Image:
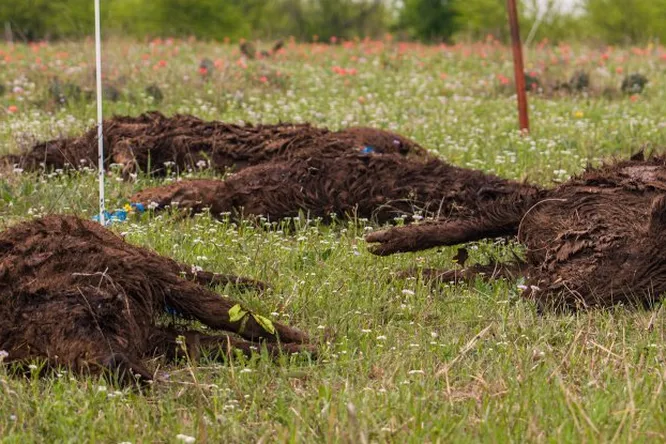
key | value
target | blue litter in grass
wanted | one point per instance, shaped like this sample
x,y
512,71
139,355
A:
x,y
120,215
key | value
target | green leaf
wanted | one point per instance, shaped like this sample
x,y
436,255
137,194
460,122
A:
x,y
265,323
236,313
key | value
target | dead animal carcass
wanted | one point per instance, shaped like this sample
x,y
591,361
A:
x,y
155,144
597,240
379,187
76,295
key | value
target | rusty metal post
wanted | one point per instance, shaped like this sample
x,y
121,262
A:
x,y
519,69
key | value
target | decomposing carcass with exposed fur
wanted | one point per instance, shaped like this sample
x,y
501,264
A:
x,y
74,294
154,144
595,241
375,186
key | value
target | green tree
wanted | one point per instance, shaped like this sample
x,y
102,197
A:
x,y
212,19
431,20
344,18
37,19
478,18
626,21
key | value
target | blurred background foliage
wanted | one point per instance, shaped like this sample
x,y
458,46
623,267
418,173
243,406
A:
x,y
608,21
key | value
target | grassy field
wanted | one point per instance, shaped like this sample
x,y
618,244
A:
x,y
402,361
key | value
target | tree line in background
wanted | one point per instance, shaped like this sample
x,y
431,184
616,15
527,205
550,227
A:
x,y
610,21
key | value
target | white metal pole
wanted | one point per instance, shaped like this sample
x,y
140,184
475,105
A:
x,y
100,138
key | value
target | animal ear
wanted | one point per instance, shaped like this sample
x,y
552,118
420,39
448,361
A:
x,y
639,156
658,214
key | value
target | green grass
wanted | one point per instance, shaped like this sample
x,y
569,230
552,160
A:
x,y
399,361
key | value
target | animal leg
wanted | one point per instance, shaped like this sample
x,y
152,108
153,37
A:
x,y
211,344
494,220
209,308
210,279
487,272
425,236
193,195
170,344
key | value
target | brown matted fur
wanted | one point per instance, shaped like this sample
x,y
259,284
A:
x,y
151,141
597,240
77,295
374,186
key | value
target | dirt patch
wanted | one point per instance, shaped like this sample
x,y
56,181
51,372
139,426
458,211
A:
x,y
156,144
597,240
378,187
76,295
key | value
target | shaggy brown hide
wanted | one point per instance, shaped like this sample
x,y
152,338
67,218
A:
x,y
378,187
151,141
597,240
76,295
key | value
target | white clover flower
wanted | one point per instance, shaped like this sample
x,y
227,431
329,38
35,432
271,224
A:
x,y
185,438
3,355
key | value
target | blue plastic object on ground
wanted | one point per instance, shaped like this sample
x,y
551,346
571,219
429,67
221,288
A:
x,y
121,214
